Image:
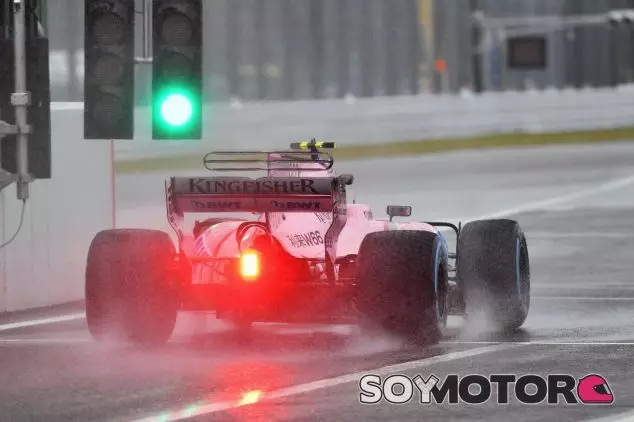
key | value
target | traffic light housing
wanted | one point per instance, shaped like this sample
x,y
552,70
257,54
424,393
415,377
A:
x,y
109,64
37,83
177,70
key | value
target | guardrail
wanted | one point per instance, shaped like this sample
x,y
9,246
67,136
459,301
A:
x,y
385,119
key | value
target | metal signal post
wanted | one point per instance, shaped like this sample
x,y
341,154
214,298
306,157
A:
x,y
21,99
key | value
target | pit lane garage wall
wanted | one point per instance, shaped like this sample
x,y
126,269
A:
x,y
45,263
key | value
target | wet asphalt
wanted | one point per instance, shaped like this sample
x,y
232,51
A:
x,y
576,206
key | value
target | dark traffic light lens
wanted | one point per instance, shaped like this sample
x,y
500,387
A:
x,y
108,111
109,29
176,29
175,66
107,70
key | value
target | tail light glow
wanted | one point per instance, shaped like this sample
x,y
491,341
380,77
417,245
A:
x,y
250,265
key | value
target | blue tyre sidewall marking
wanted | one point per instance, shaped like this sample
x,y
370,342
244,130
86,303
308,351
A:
x,y
518,280
438,248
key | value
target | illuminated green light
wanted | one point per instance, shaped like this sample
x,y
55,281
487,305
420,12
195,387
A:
x,y
176,109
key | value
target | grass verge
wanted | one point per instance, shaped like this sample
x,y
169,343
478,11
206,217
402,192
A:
x,y
392,149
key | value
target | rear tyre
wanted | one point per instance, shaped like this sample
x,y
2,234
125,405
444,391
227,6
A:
x,y
494,273
129,294
402,280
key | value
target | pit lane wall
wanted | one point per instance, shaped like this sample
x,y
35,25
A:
x,y
45,263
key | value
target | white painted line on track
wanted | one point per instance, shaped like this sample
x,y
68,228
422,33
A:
x,y
601,340
29,341
582,298
42,321
580,235
222,406
576,285
619,417
541,343
558,200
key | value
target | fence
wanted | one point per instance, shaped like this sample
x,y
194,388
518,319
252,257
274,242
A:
x,y
305,49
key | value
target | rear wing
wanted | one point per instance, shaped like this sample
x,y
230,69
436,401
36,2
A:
x,y
265,194
221,161
285,189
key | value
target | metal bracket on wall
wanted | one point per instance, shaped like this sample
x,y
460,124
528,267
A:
x,y
6,178
7,129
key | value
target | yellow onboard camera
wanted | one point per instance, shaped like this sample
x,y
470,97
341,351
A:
x,y
313,145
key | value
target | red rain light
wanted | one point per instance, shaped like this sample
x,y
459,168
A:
x,y
250,265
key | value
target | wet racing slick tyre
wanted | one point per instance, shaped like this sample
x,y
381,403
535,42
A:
x,y
493,272
402,284
129,294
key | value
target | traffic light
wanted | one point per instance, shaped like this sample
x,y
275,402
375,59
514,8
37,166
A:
x,y
177,69
109,75
37,83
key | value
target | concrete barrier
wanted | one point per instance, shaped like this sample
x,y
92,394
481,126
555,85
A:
x,y
45,263
385,119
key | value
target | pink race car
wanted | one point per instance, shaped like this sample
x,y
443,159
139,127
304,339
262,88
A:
x,y
306,255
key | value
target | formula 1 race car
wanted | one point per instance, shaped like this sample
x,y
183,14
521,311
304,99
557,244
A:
x,y
306,255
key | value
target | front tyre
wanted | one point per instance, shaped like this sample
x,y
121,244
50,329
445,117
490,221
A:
x,y
494,273
402,281
130,295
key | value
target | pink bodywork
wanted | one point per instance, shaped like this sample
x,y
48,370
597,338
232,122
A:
x,y
302,233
